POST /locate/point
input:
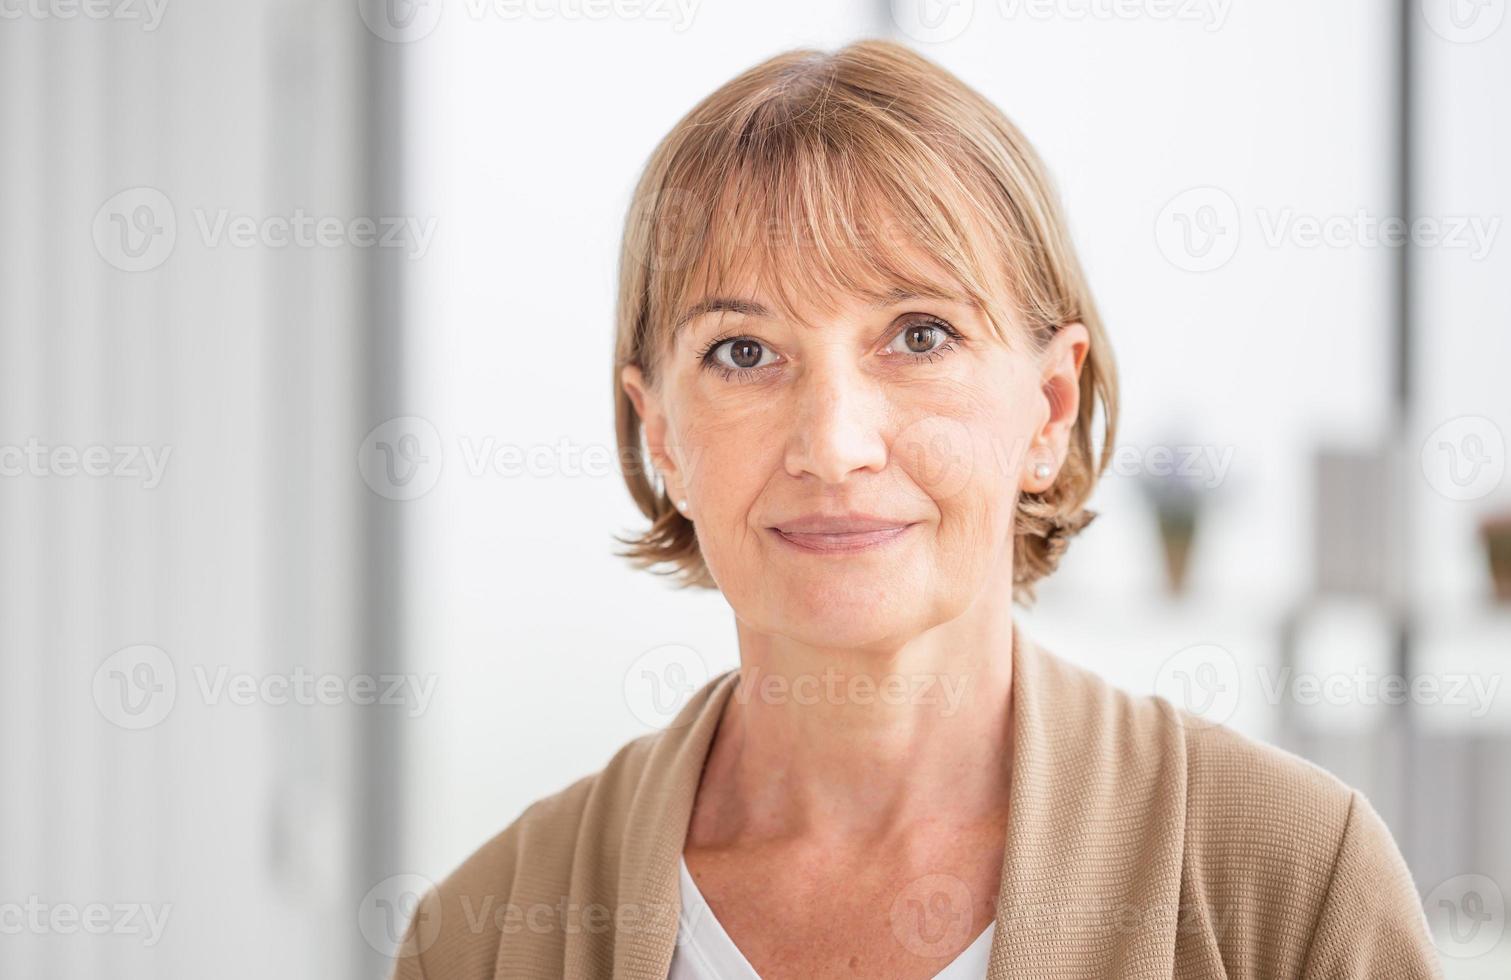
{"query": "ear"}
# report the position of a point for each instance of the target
(653, 422)
(1060, 384)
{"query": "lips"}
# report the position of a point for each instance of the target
(839, 533)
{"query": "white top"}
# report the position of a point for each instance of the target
(705, 952)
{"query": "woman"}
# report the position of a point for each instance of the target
(859, 353)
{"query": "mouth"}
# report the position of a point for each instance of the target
(840, 535)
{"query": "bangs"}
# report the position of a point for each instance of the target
(806, 216)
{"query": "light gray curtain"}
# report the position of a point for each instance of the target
(181, 504)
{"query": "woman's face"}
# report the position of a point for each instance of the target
(853, 481)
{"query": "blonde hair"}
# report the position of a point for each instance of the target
(853, 163)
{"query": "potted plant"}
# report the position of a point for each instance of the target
(1495, 531)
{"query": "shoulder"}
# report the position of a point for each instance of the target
(1300, 871)
(1257, 809)
(547, 837)
(1286, 870)
(548, 894)
(547, 831)
(520, 879)
(1250, 807)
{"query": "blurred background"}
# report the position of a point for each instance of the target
(308, 484)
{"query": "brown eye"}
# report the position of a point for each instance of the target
(745, 353)
(740, 354)
(920, 338)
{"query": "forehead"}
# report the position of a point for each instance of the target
(806, 282)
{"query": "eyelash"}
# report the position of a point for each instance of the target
(705, 358)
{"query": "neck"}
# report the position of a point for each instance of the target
(864, 745)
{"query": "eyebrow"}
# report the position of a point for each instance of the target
(721, 304)
(745, 307)
(899, 295)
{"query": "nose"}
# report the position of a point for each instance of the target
(838, 426)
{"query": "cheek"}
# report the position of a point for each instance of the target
(730, 464)
(964, 451)
(727, 458)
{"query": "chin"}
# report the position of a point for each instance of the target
(844, 609)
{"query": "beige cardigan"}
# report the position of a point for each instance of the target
(1142, 843)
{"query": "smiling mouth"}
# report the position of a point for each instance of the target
(840, 542)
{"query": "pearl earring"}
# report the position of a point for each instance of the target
(1042, 471)
(682, 506)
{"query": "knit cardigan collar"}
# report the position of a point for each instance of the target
(1078, 890)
